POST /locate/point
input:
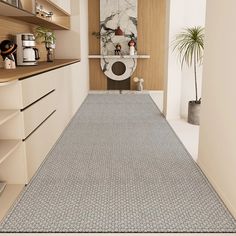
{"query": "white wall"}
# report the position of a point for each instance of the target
(180, 83)
(217, 151)
(173, 74)
(74, 44)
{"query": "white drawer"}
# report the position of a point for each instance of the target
(39, 144)
(35, 87)
(38, 112)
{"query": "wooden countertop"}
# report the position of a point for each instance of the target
(27, 71)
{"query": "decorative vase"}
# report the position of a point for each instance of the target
(194, 113)
(140, 86)
(50, 55)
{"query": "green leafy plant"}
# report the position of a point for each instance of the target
(46, 36)
(190, 47)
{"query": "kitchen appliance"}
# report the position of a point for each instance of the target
(27, 54)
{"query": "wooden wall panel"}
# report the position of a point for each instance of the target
(98, 80)
(151, 40)
(9, 27)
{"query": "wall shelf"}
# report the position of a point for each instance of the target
(6, 115)
(58, 7)
(7, 147)
(119, 57)
(37, 20)
(9, 10)
(60, 19)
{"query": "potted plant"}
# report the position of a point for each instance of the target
(47, 37)
(190, 47)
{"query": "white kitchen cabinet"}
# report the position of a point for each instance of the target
(68, 92)
(64, 5)
(39, 144)
(35, 112)
(38, 86)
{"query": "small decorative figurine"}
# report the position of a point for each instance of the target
(8, 48)
(12, 59)
(132, 45)
(139, 82)
(118, 49)
(7, 63)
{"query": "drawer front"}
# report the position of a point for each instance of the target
(38, 145)
(38, 112)
(36, 87)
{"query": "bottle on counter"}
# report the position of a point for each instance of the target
(7, 63)
(13, 61)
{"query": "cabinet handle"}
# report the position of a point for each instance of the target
(39, 126)
(23, 109)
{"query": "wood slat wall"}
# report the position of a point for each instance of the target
(151, 40)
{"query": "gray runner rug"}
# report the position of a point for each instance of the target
(119, 167)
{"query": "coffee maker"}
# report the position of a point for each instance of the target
(27, 54)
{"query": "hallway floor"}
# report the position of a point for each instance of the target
(188, 134)
(119, 167)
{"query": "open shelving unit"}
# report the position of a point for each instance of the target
(60, 19)
(52, 3)
(12, 11)
(38, 20)
(6, 115)
(7, 147)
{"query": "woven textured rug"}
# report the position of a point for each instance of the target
(119, 167)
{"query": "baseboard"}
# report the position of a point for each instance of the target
(158, 98)
(220, 192)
